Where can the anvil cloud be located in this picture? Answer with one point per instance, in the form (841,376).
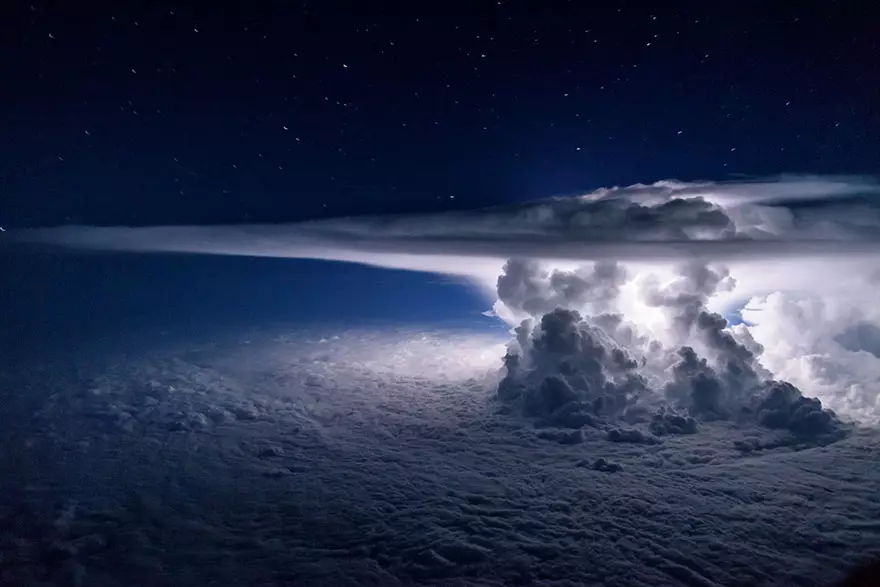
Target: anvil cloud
(784,216)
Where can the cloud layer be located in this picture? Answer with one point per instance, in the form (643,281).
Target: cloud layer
(324,459)
(785,216)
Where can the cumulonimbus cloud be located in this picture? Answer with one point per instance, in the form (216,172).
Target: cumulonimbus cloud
(806,236)
(577,361)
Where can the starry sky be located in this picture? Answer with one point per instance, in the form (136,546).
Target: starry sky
(155,112)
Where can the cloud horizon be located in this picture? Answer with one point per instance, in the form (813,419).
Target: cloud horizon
(774,218)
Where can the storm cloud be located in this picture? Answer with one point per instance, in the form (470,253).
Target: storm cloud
(645,270)
(571,370)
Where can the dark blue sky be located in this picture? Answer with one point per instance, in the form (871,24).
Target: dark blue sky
(158,112)
(55,301)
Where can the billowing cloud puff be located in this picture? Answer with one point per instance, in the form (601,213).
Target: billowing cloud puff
(567,371)
(570,370)
(823,345)
(525,288)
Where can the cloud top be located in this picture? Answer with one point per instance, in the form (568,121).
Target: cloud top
(781,216)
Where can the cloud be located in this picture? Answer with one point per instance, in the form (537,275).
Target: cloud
(353,472)
(525,288)
(823,345)
(862,336)
(687,294)
(630,435)
(668,422)
(634,263)
(784,216)
(569,369)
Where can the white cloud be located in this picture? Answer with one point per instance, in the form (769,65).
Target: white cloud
(801,339)
(575,361)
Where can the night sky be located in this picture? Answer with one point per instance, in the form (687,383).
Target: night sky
(674,383)
(156,112)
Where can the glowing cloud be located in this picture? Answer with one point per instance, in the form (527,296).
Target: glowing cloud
(786,216)
(640,252)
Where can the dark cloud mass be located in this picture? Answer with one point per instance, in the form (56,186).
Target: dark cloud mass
(565,370)
(570,370)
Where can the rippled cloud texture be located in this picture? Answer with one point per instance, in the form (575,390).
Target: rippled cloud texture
(368,457)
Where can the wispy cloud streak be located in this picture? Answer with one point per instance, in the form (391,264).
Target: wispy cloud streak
(779,217)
